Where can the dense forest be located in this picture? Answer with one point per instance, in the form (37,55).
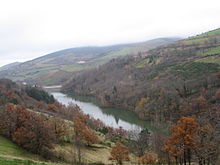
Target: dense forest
(161,83)
(178,83)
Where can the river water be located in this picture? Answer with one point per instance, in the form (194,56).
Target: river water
(110,116)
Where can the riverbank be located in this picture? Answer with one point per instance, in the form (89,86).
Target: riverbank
(110,116)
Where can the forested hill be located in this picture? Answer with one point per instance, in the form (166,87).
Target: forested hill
(57,67)
(164,83)
(31,120)
(10,92)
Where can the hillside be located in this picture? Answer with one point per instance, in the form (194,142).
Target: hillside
(9,65)
(157,84)
(56,68)
(34,128)
(11,154)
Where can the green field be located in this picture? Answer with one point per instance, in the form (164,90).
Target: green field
(11,154)
(211,33)
(215,50)
(4,161)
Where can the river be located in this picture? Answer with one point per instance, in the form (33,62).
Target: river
(110,116)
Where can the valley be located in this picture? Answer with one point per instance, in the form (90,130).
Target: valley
(109,116)
(110,82)
(157,82)
(146,105)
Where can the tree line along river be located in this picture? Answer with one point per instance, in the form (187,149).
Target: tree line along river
(110,116)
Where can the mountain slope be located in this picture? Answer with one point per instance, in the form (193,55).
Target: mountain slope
(25,108)
(9,65)
(158,82)
(56,68)
(12,154)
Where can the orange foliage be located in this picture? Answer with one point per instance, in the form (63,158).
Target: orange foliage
(148,158)
(183,136)
(28,129)
(119,153)
(82,132)
(217,94)
(22,137)
(52,107)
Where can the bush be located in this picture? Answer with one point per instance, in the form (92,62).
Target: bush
(39,95)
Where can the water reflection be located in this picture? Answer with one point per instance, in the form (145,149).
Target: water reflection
(110,116)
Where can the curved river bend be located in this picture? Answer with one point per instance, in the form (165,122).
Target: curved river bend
(110,116)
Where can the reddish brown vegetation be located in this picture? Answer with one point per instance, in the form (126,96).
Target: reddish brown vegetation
(192,140)
(183,139)
(119,153)
(82,132)
(148,158)
(28,129)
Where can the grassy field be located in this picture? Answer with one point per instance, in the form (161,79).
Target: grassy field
(194,41)
(7,148)
(211,59)
(215,50)
(211,33)
(199,39)
(4,161)
(11,154)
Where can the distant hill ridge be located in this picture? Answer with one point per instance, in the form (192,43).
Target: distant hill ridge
(57,67)
(10,65)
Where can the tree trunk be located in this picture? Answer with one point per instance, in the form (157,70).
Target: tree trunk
(176,160)
(79,155)
(168,157)
(184,157)
(189,156)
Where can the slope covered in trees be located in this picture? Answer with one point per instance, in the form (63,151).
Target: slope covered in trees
(57,67)
(177,84)
(158,84)
(28,96)
(54,131)
(61,133)
(32,119)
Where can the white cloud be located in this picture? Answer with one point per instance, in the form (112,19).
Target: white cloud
(29,28)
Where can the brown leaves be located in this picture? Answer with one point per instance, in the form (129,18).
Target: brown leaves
(217,94)
(148,158)
(59,128)
(82,132)
(183,136)
(191,138)
(22,137)
(119,153)
(28,129)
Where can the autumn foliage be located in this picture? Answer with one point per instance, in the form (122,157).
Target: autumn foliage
(183,139)
(191,139)
(82,131)
(119,153)
(148,158)
(28,129)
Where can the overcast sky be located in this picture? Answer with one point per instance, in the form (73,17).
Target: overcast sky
(33,28)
